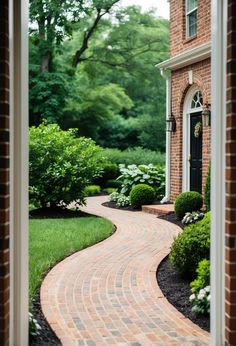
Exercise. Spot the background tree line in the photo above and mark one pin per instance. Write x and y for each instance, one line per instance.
(92, 68)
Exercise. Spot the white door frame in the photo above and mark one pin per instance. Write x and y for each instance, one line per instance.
(187, 111)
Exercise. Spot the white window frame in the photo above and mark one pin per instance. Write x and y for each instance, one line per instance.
(187, 19)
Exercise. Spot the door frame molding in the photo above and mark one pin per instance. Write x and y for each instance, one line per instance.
(187, 111)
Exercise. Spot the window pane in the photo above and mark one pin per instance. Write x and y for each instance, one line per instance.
(192, 23)
(191, 4)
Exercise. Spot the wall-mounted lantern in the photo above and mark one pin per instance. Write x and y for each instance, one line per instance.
(171, 123)
(206, 115)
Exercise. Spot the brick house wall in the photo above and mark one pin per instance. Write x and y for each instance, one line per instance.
(201, 73)
(230, 216)
(178, 40)
(4, 174)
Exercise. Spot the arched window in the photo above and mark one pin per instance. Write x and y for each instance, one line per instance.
(197, 100)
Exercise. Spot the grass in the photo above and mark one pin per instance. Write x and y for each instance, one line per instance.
(51, 240)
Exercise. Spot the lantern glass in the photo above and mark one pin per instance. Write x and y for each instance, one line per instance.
(171, 124)
(206, 117)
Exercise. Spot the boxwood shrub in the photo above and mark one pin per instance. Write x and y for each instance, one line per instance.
(141, 194)
(203, 276)
(190, 247)
(188, 202)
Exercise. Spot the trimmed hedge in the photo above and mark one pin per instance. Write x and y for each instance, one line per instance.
(142, 194)
(190, 247)
(188, 202)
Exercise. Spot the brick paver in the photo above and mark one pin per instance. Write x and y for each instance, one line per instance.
(108, 294)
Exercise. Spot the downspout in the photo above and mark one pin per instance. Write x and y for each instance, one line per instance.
(167, 76)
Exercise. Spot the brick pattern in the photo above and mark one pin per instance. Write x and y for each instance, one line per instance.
(230, 229)
(108, 294)
(4, 174)
(178, 40)
(180, 86)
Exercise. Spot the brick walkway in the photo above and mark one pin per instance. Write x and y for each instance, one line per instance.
(108, 294)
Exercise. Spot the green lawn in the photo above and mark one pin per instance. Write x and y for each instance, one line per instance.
(51, 240)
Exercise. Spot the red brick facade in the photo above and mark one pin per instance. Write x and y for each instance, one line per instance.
(4, 174)
(230, 229)
(201, 72)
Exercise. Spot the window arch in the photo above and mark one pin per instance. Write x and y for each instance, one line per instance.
(197, 101)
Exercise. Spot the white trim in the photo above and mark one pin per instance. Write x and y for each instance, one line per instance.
(218, 86)
(168, 136)
(19, 172)
(188, 57)
(187, 111)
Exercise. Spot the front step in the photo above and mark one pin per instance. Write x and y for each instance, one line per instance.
(160, 209)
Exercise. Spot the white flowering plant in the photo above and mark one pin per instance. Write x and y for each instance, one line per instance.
(34, 327)
(143, 174)
(120, 199)
(192, 217)
(201, 300)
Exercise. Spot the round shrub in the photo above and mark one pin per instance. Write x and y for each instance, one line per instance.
(188, 202)
(141, 194)
(191, 246)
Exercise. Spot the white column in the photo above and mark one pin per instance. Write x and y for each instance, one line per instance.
(19, 172)
(218, 71)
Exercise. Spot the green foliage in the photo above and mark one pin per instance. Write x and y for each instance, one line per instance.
(191, 246)
(201, 301)
(142, 194)
(114, 183)
(203, 276)
(147, 174)
(110, 190)
(207, 190)
(110, 171)
(134, 156)
(61, 165)
(188, 202)
(92, 190)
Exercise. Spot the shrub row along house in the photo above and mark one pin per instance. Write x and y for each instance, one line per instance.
(190, 87)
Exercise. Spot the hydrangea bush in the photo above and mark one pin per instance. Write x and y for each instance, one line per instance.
(120, 199)
(34, 327)
(143, 174)
(201, 301)
(192, 217)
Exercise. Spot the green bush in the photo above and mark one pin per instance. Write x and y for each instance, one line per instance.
(207, 190)
(143, 174)
(188, 202)
(190, 247)
(134, 156)
(61, 165)
(92, 190)
(116, 184)
(203, 276)
(141, 194)
(110, 171)
(110, 190)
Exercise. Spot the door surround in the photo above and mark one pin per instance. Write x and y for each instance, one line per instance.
(187, 111)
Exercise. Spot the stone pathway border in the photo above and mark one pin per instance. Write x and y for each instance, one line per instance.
(108, 294)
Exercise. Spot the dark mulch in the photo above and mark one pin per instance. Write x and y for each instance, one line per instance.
(47, 336)
(114, 206)
(176, 289)
(56, 213)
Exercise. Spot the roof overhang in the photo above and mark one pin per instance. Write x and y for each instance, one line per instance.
(186, 58)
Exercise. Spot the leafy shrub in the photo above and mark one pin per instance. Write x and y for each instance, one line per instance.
(203, 276)
(34, 327)
(150, 175)
(110, 171)
(187, 202)
(191, 246)
(207, 190)
(92, 190)
(201, 301)
(141, 194)
(120, 199)
(110, 190)
(114, 183)
(134, 156)
(61, 165)
(192, 217)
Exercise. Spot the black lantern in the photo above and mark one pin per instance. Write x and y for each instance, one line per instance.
(171, 123)
(206, 115)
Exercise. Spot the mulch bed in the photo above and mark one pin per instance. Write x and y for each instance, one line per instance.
(56, 213)
(176, 289)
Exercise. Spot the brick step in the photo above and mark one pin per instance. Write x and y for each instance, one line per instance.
(160, 209)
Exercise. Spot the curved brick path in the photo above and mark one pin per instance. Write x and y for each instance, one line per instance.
(108, 294)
